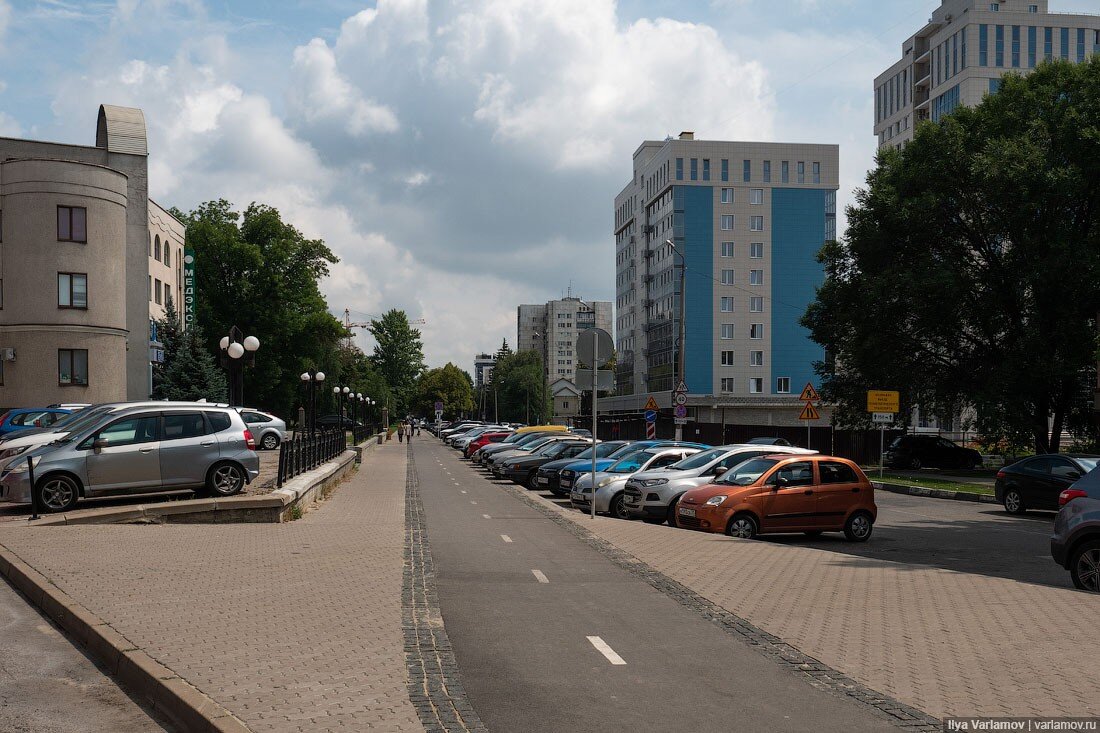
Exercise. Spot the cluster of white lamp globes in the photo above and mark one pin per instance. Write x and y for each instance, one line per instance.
(236, 350)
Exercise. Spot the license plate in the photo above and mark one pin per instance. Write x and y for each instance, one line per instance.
(685, 512)
(543, 481)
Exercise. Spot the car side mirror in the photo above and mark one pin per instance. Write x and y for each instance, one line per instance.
(719, 470)
(99, 444)
(779, 482)
(1073, 475)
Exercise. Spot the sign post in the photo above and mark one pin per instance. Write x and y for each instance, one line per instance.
(679, 404)
(809, 412)
(651, 409)
(595, 351)
(882, 404)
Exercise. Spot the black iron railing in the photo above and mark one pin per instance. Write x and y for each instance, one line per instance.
(304, 452)
(361, 433)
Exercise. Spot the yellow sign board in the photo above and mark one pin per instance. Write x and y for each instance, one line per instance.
(879, 400)
(809, 412)
(651, 404)
(809, 394)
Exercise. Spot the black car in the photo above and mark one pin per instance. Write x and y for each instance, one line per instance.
(1036, 482)
(929, 451)
(331, 422)
(523, 469)
(548, 472)
(769, 441)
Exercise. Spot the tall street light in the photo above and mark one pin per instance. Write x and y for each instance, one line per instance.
(313, 378)
(238, 351)
(680, 376)
(341, 394)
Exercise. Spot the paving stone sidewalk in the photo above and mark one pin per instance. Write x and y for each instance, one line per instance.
(292, 627)
(945, 642)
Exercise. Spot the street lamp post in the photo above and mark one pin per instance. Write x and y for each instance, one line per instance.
(682, 331)
(235, 348)
(313, 378)
(341, 394)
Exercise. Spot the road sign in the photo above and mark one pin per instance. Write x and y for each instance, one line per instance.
(680, 398)
(681, 388)
(809, 394)
(650, 416)
(879, 400)
(438, 415)
(439, 406)
(605, 380)
(681, 421)
(809, 412)
(651, 431)
(882, 417)
(604, 347)
(651, 404)
(681, 411)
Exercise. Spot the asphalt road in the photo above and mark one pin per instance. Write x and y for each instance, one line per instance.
(47, 685)
(520, 611)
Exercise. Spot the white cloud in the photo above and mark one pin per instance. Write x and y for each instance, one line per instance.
(9, 127)
(319, 93)
(5, 17)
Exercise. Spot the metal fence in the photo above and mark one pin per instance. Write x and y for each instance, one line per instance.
(361, 434)
(304, 452)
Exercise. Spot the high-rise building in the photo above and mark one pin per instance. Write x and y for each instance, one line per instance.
(551, 329)
(483, 369)
(962, 52)
(747, 220)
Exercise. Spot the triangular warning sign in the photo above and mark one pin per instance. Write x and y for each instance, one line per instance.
(651, 404)
(682, 387)
(809, 412)
(809, 394)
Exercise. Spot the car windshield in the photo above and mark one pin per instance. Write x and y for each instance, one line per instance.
(748, 472)
(699, 459)
(547, 449)
(626, 450)
(87, 418)
(1087, 463)
(553, 450)
(632, 463)
(536, 444)
(69, 419)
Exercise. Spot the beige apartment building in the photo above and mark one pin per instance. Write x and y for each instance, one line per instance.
(552, 328)
(962, 52)
(78, 235)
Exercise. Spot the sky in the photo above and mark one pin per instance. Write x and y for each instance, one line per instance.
(459, 156)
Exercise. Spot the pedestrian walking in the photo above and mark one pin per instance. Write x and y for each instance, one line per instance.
(409, 427)
(418, 424)
(401, 432)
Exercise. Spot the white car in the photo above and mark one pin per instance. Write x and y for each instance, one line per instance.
(611, 484)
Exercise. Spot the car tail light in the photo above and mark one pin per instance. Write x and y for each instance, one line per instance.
(1069, 495)
(249, 441)
(1001, 474)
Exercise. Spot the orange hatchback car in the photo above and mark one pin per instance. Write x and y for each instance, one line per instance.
(784, 493)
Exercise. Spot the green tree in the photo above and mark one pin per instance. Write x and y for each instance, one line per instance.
(168, 334)
(448, 384)
(257, 272)
(519, 388)
(189, 372)
(398, 357)
(969, 272)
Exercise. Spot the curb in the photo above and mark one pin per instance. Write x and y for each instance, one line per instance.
(935, 493)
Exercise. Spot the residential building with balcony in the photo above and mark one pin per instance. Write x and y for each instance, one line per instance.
(552, 329)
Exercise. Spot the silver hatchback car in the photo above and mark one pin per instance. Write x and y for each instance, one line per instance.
(137, 451)
(268, 430)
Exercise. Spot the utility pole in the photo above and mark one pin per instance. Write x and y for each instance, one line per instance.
(682, 335)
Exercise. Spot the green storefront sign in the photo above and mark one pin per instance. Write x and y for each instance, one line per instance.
(188, 287)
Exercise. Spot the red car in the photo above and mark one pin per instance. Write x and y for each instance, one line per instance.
(483, 440)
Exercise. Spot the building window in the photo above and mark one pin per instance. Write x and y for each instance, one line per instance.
(756, 196)
(994, 86)
(756, 331)
(727, 277)
(1032, 42)
(995, 7)
(727, 331)
(1033, 8)
(785, 171)
(1015, 46)
(72, 290)
(756, 277)
(725, 169)
(756, 304)
(1080, 44)
(1048, 43)
(727, 358)
(767, 171)
(72, 367)
(727, 222)
(746, 171)
(727, 195)
(801, 172)
(983, 45)
(157, 291)
(695, 169)
(756, 250)
(679, 169)
(756, 223)
(727, 249)
(783, 385)
(727, 305)
(817, 172)
(156, 248)
(167, 254)
(756, 385)
(72, 224)
(167, 293)
(756, 358)
(727, 385)
(706, 169)
(945, 104)
(1064, 37)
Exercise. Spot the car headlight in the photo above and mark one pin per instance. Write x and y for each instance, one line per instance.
(654, 481)
(604, 482)
(8, 453)
(22, 466)
(716, 500)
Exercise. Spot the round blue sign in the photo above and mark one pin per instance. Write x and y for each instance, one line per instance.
(651, 416)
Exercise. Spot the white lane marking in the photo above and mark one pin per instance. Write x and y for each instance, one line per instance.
(462, 492)
(486, 516)
(540, 577)
(474, 503)
(506, 538)
(604, 649)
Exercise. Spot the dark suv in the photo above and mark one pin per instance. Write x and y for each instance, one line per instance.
(929, 451)
(1075, 544)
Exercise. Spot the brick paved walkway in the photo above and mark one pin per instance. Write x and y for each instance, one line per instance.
(292, 627)
(945, 642)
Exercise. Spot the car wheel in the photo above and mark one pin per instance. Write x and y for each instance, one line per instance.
(533, 481)
(57, 493)
(270, 441)
(618, 507)
(858, 527)
(671, 517)
(225, 479)
(743, 526)
(1084, 568)
(974, 464)
(915, 464)
(1014, 503)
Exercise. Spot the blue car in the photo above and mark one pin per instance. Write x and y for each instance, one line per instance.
(570, 473)
(17, 420)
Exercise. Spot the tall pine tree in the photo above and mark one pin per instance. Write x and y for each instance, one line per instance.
(188, 372)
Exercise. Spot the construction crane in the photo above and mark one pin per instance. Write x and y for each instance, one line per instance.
(349, 324)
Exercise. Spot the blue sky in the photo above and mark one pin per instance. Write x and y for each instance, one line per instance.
(461, 157)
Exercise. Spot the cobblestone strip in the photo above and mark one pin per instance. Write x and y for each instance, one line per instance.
(434, 685)
(816, 673)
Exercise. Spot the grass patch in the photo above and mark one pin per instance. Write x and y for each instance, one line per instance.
(931, 483)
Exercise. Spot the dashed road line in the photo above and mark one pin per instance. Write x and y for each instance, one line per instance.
(603, 648)
(506, 538)
(473, 502)
(540, 576)
(486, 516)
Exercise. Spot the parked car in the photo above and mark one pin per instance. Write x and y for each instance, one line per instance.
(929, 451)
(1075, 544)
(268, 430)
(523, 469)
(549, 473)
(460, 442)
(569, 475)
(515, 440)
(137, 450)
(611, 484)
(489, 438)
(495, 461)
(652, 495)
(768, 441)
(17, 419)
(333, 422)
(782, 494)
(1036, 482)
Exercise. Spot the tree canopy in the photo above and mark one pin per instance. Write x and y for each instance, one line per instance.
(451, 386)
(519, 381)
(969, 273)
(188, 372)
(398, 357)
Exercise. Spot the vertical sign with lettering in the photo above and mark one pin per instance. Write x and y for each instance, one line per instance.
(188, 288)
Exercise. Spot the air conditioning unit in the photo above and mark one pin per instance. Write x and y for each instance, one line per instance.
(7, 353)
